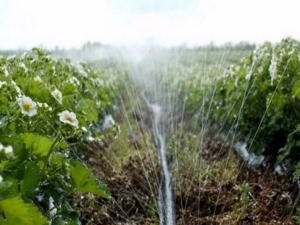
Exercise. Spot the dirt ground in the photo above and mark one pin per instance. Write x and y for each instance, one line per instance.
(258, 196)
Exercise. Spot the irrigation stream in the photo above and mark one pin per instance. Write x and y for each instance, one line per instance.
(165, 198)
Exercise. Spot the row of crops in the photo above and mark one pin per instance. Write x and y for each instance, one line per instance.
(51, 109)
(257, 102)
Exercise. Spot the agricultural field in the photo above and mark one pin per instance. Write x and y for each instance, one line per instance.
(84, 143)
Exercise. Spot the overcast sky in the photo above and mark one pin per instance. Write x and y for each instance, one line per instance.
(71, 23)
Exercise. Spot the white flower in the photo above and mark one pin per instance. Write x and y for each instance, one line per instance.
(82, 71)
(1, 178)
(74, 81)
(54, 70)
(21, 64)
(90, 138)
(38, 79)
(4, 69)
(44, 105)
(27, 106)
(98, 82)
(18, 90)
(11, 57)
(68, 117)
(6, 73)
(8, 149)
(47, 107)
(57, 95)
(98, 104)
(84, 129)
(2, 83)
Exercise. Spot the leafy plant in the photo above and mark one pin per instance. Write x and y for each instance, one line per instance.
(256, 100)
(49, 109)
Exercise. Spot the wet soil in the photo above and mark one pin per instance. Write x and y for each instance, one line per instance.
(250, 196)
(256, 196)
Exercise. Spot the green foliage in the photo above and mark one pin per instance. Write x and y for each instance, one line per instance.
(256, 100)
(49, 109)
(31, 180)
(83, 181)
(297, 215)
(39, 145)
(16, 211)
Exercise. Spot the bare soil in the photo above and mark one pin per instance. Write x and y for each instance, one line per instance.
(268, 198)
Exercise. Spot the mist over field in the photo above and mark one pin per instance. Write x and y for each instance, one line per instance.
(149, 112)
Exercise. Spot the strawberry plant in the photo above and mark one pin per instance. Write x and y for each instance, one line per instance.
(256, 100)
(49, 108)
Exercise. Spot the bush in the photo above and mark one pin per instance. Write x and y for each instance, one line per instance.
(48, 109)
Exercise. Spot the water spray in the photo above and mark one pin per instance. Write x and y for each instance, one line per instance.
(165, 198)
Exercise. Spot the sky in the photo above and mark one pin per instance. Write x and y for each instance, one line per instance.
(71, 23)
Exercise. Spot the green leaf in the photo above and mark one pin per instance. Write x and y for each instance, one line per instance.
(296, 89)
(58, 221)
(39, 92)
(31, 179)
(57, 160)
(68, 221)
(83, 181)
(62, 144)
(79, 174)
(276, 101)
(70, 216)
(4, 186)
(16, 165)
(8, 189)
(14, 211)
(68, 89)
(87, 110)
(39, 145)
(67, 102)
